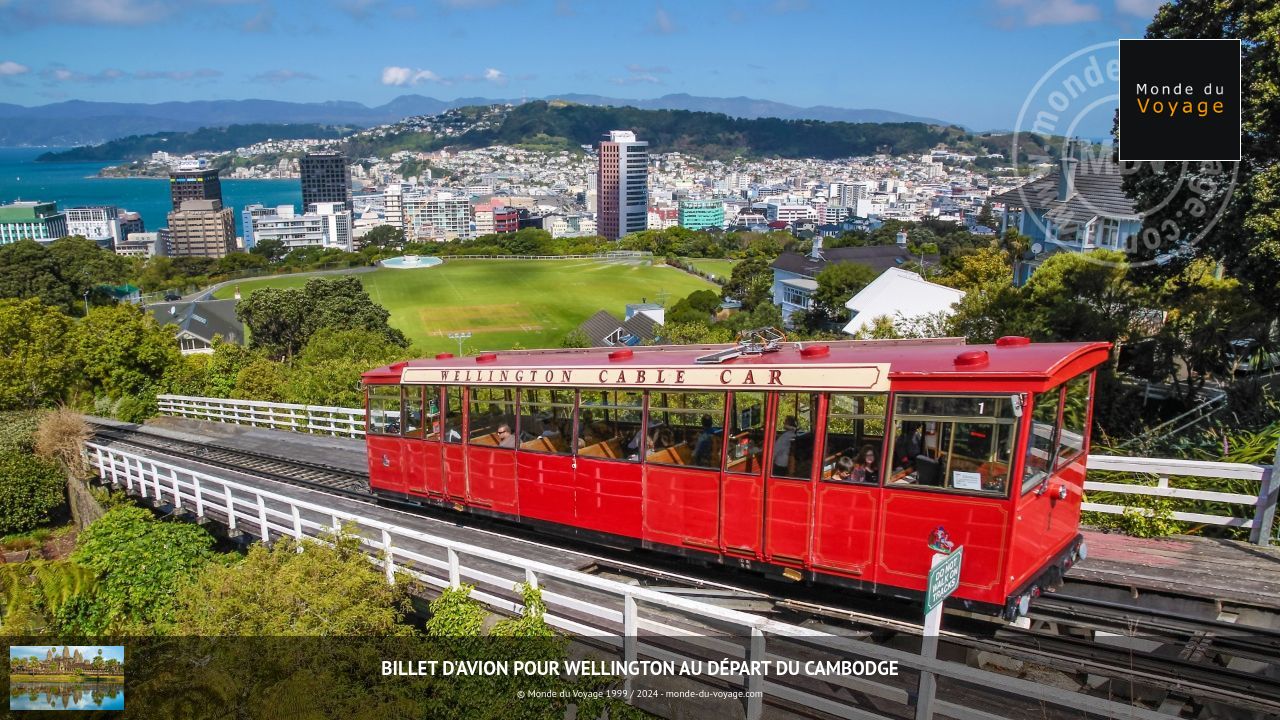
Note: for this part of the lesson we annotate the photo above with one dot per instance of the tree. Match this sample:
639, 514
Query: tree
141, 563
987, 266
239, 262
383, 236
274, 250
328, 589
29, 270
1082, 296
750, 283
124, 351
987, 217
37, 358
837, 283
575, 338
30, 489
1246, 235
282, 321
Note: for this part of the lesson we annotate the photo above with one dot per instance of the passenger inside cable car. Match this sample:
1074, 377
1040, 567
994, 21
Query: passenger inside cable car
954, 442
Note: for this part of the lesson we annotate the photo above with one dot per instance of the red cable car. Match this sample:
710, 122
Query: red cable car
849, 463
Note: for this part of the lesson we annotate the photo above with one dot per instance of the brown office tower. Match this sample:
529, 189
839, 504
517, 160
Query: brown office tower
194, 185
202, 228
325, 179
622, 191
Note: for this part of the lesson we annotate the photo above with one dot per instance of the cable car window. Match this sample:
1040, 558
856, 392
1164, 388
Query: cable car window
957, 443
746, 433
793, 440
686, 428
431, 409
384, 409
1075, 413
453, 414
546, 421
412, 412
609, 425
1043, 440
492, 417
855, 434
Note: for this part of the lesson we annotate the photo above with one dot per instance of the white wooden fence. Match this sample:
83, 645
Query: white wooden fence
636, 621
1161, 470
350, 422
315, 419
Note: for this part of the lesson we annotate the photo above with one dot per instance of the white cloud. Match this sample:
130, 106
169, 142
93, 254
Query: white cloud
495, 75
1140, 8
394, 75
662, 22
9, 68
276, 77
1051, 12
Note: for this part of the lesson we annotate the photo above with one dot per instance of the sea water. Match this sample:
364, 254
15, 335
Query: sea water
72, 184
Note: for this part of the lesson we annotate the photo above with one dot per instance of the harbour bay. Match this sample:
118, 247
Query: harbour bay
72, 184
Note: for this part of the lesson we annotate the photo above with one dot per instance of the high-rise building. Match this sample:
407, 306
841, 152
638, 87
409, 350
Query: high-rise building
325, 179
202, 228
249, 214
194, 184
26, 220
623, 186
100, 223
699, 214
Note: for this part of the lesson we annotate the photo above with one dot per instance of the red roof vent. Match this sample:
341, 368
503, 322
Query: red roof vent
443, 356
972, 359
815, 351
1013, 341
623, 354
486, 357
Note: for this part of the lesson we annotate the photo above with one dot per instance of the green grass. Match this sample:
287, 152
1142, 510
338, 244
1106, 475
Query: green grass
711, 266
504, 302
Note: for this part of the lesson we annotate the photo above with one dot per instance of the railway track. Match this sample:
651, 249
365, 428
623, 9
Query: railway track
1190, 659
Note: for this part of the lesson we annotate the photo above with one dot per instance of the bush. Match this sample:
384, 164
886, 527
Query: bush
17, 430
141, 564
60, 436
30, 489
134, 409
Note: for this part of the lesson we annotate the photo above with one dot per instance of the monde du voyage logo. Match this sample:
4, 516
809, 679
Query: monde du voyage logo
1180, 100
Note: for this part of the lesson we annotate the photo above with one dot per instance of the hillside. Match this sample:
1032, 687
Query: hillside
218, 139
707, 135
79, 122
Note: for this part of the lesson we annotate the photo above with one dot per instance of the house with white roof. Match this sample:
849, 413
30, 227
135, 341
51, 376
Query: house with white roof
901, 295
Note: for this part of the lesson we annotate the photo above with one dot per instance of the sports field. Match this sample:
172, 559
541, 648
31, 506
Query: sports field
712, 266
504, 302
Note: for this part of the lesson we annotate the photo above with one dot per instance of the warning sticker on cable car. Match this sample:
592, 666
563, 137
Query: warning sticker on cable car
869, 376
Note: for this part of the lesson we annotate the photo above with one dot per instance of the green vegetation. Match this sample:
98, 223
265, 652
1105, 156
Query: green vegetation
282, 320
530, 302
215, 139
30, 490
721, 269
328, 589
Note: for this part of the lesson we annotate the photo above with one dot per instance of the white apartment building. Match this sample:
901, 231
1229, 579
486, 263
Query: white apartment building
436, 217
789, 212
483, 221
327, 225
99, 223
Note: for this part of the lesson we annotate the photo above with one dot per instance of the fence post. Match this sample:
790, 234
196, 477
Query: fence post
630, 635
755, 681
455, 571
1265, 516
391, 563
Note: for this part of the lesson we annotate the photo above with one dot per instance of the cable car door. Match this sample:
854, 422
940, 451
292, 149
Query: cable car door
789, 476
454, 453
847, 494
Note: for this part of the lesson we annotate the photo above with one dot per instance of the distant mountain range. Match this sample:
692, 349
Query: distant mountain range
80, 122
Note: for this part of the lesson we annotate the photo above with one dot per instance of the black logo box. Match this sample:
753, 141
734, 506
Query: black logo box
1186, 69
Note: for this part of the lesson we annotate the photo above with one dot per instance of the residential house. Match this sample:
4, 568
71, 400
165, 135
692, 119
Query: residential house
199, 322
605, 330
1078, 208
901, 295
795, 275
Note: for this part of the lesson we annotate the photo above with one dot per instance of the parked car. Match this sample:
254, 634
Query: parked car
1251, 356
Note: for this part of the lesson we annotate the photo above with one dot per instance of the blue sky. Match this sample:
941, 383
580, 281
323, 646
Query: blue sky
971, 61
88, 651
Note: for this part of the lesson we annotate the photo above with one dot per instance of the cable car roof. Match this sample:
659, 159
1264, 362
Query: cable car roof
824, 365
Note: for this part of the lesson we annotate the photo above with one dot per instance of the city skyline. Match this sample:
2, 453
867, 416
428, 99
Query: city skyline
902, 58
